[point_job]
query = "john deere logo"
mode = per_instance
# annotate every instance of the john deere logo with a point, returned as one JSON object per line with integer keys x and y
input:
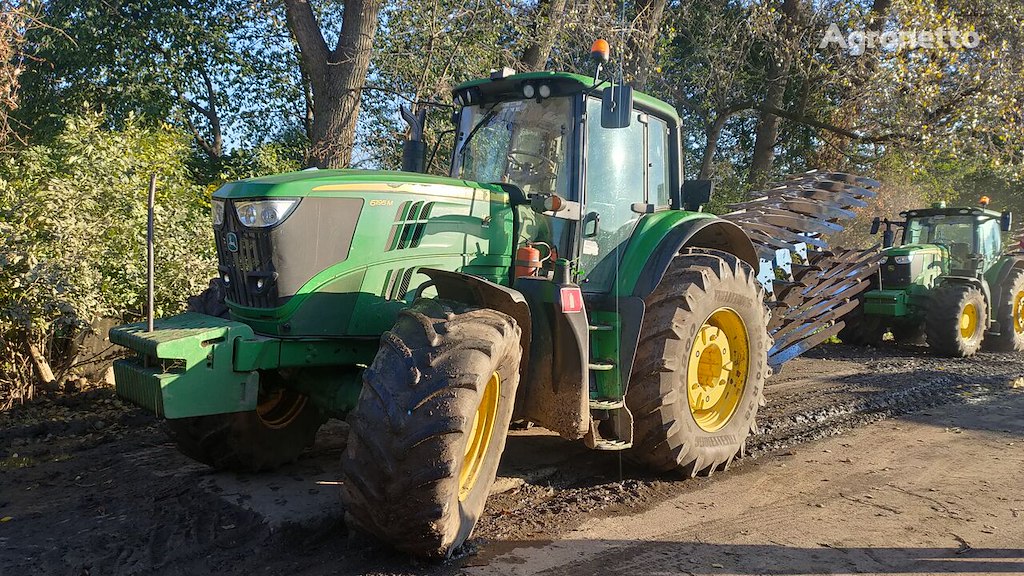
{"x": 232, "y": 242}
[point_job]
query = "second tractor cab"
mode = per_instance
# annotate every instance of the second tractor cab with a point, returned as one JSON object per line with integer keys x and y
{"x": 946, "y": 278}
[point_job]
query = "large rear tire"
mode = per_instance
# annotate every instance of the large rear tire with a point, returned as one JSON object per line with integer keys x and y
{"x": 955, "y": 323}
{"x": 430, "y": 425}
{"x": 1010, "y": 314}
{"x": 701, "y": 365}
{"x": 283, "y": 425}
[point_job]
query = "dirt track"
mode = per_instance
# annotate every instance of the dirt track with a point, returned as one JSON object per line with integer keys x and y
{"x": 96, "y": 489}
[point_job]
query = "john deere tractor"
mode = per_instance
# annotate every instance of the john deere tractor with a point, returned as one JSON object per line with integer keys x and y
{"x": 563, "y": 275}
{"x": 947, "y": 279}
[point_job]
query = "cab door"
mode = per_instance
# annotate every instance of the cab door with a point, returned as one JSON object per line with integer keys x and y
{"x": 626, "y": 175}
{"x": 613, "y": 182}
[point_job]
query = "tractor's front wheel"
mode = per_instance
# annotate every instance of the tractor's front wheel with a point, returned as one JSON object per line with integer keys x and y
{"x": 430, "y": 426}
{"x": 955, "y": 323}
{"x": 701, "y": 365}
{"x": 1010, "y": 313}
{"x": 283, "y": 425}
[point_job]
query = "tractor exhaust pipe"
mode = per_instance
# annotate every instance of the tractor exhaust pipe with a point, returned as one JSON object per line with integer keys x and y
{"x": 414, "y": 149}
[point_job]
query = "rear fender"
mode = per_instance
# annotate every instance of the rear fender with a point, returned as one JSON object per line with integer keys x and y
{"x": 997, "y": 281}
{"x": 706, "y": 232}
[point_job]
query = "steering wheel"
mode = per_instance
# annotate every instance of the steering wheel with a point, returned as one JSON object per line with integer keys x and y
{"x": 518, "y": 165}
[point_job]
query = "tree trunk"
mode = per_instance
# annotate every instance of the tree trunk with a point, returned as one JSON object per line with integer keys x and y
{"x": 768, "y": 123}
{"x": 713, "y": 133}
{"x": 547, "y": 23}
{"x": 644, "y": 36}
{"x": 335, "y": 76}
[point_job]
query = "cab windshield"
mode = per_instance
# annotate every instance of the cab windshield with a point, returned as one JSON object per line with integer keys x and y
{"x": 523, "y": 142}
{"x": 956, "y": 233}
{"x": 941, "y": 229}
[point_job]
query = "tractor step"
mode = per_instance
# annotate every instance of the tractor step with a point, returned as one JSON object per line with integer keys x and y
{"x": 601, "y": 366}
{"x": 601, "y": 328}
{"x": 607, "y": 404}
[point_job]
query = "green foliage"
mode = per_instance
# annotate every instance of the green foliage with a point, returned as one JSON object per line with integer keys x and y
{"x": 219, "y": 69}
{"x": 73, "y": 234}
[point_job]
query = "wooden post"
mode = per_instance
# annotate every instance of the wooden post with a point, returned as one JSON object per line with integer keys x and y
{"x": 149, "y": 253}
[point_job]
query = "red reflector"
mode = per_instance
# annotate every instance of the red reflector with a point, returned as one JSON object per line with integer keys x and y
{"x": 572, "y": 299}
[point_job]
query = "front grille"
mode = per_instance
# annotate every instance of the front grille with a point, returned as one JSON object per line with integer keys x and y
{"x": 251, "y": 261}
{"x": 264, "y": 267}
{"x": 895, "y": 274}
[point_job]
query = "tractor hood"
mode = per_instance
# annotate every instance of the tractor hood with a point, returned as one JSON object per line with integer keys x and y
{"x": 912, "y": 265}
{"x": 338, "y": 252}
{"x": 914, "y": 249}
{"x": 328, "y": 182}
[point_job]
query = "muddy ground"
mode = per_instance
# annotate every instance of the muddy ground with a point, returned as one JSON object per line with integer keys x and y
{"x": 90, "y": 486}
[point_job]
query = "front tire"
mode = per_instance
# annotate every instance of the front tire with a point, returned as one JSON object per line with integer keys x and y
{"x": 956, "y": 319}
{"x": 1010, "y": 314}
{"x": 701, "y": 365}
{"x": 430, "y": 425}
{"x": 283, "y": 425}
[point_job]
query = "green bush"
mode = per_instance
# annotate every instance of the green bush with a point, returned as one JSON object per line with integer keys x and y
{"x": 73, "y": 236}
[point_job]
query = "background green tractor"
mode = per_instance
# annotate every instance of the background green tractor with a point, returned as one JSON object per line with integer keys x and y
{"x": 946, "y": 278}
{"x": 564, "y": 275}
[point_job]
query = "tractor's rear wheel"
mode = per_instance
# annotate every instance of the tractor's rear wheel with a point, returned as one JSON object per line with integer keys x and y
{"x": 283, "y": 425}
{"x": 955, "y": 323}
{"x": 701, "y": 365}
{"x": 1010, "y": 314}
{"x": 430, "y": 426}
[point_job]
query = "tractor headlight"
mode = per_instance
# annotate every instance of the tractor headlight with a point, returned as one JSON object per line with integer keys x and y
{"x": 903, "y": 259}
{"x": 264, "y": 213}
{"x": 217, "y": 212}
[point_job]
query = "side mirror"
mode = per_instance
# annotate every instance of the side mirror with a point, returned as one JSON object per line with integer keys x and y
{"x": 591, "y": 224}
{"x": 696, "y": 193}
{"x": 616, "y": 106}
{"x": 1006, "y": 221}
{"x": 875, "y": 224}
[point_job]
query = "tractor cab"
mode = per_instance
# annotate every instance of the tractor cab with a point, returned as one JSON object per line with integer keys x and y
{"x": 972, "y": 237}
{"x": 547, "y": 136}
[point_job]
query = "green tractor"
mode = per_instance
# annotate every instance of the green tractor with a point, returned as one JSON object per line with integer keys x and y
{"x": 563, "y": 275}
{"x": 948, "y": 279}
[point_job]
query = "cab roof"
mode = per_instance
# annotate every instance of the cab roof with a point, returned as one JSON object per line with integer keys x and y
{"x": 953, "y": 211}
{"x": 561, "y": 83}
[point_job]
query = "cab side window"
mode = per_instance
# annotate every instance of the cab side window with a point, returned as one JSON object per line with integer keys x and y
{"x": 657, "y": 162}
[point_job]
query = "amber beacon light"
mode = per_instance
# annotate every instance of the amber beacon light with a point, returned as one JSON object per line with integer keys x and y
{"x": 600, "y": 51}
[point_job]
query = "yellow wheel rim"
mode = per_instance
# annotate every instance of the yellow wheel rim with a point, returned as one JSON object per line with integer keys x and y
{"x": 1018, "y": 312}
{"x": 278, "y": 409}
{"x": 968, "y": 321}
{"x": 479, "y": 436}
{"x": 717, "y": 371}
